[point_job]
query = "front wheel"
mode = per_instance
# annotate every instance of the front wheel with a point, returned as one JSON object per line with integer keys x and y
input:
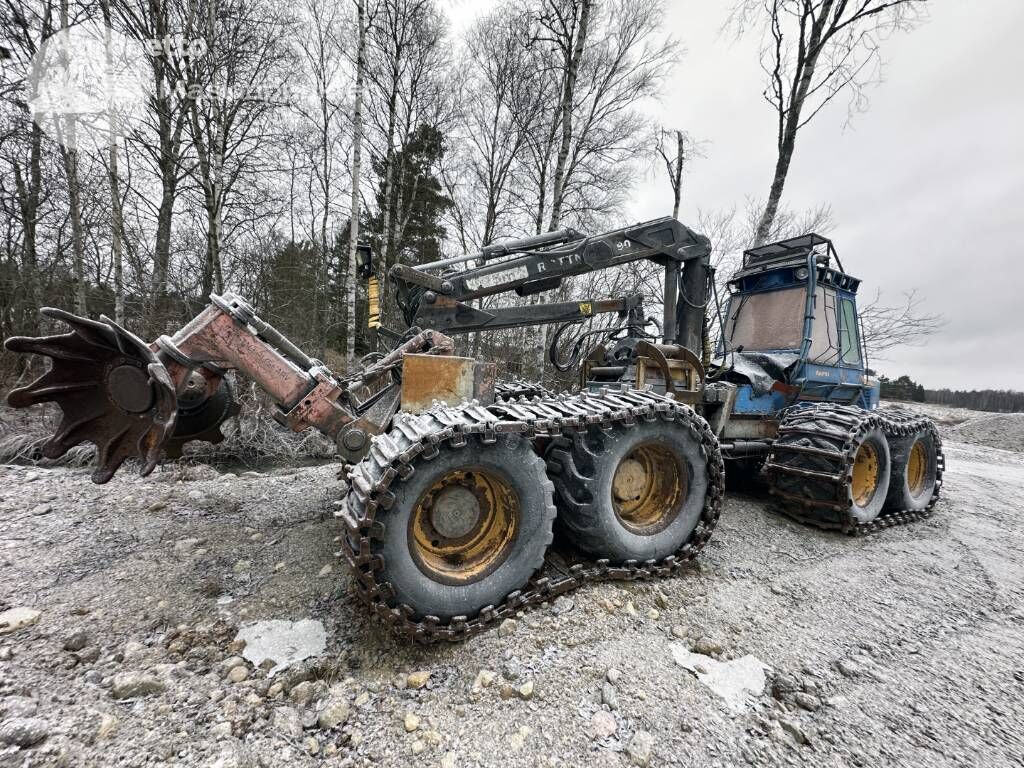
{"x": 468, "y": 527}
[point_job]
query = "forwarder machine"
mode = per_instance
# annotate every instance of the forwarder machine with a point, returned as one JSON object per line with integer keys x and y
{"x": 454, "y": 495}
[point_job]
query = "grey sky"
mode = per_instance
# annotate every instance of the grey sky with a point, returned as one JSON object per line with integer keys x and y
{"x": 926, "y": 187}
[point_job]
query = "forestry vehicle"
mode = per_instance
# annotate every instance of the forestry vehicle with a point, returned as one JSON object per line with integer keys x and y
{"x": 457, "y": 484}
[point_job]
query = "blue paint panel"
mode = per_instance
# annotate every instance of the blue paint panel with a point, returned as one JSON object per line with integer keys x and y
{"x": 830, "y": 374}
{"x": 747, "y": 403}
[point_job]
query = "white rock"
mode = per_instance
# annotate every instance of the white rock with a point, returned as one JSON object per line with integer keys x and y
{"x": 14, "y": 619}
{"x": 287, "y": 721}
{"x": 484, "y": 679}
{"x": 184, "y": 546}
{"x": 107, "y": 726}
{"x": 285, "y": 642}
{"x": 608, "y": 696}
{"x": 507, "y": 628}
{"x": 418, "y": 679}
{"x": 738, "y": 681}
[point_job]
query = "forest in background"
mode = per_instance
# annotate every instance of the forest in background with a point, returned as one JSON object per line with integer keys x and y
{"x": 268, "y": 134}
{"x": 995, "y": 400}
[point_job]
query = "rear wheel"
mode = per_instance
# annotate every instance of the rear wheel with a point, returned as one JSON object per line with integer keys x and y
{"x": 467, "y": 528}
{"x": 629, "y": 492}
{"x": 915, "y": 471}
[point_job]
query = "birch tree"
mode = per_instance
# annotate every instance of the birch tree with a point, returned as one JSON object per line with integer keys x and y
{"x": 567, "y": 25}
{"x": 813, "y": 51}
{"x": 357, "y": 161}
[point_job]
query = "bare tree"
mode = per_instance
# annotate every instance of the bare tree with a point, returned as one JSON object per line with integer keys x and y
{"x": 676, "y": 149}
{"x": 236, "y": 84}
{"x": 407, "y": 71}
{"x": 69, "y": 154}
{"x": 567, "y": 25}
{"x": 113, "y": 176}
{"x": 160, "y": 141}
{"x": 25, "y": 26}
{"x": 496, "y": 119}
{"x": 813, "y": 51}
{"x": 357, "y": 159}
{"x": 884, "y": 327}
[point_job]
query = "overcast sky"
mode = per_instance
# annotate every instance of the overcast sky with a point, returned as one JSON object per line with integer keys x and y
{"x": 926, "y": 187}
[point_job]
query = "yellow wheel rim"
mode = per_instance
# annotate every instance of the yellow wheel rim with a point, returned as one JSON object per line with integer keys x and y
{"x": 917, "y": 468}
{"x": 865, "y": 474}
{"x": 647, "y": 488}
{"x": 463, "y": 526}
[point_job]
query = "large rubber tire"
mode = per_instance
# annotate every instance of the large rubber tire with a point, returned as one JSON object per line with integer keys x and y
{"x": 583, "y": 468}
{"x": 908, "y": 491}
{"x": 868, "y": 510}
{"x": 511, "y": 458}
{"x": 811, "y": 466}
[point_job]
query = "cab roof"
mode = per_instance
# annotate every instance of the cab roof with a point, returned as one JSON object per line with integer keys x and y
{"x": 791, "y": 254}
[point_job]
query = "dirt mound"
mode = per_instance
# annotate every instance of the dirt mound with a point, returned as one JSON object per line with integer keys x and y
{"x": 995, "y": 430}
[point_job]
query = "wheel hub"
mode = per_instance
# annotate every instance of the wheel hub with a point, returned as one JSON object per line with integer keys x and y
{"x": 648, "y": 487}
{"x": 464, "y": 526}
{"x": 455, "y": 512}
{"x": 865, "y": 475}
{"x": 917, "y": 468}
{"x": 630, "y": 480}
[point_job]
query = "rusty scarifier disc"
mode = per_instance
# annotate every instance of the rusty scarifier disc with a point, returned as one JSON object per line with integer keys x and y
{"x": 395, "y": 456}
{"x": 110, "y": 387}
{"x": 831, "y": 433}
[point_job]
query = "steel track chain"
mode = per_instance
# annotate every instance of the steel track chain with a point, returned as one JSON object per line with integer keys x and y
{"x": 394, "y": 457}
{"x": 516, "y": 388}
{"x": 848, "y": 423}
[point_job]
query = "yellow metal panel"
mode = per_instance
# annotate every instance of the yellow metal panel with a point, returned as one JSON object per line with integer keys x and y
{"x": 426, "y": 378}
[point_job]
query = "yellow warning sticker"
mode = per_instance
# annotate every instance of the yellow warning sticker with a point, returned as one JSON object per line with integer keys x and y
{"x": 373, "y": 301}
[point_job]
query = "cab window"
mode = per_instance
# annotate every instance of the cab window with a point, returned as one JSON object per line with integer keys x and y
{"x": 849, "y": 335}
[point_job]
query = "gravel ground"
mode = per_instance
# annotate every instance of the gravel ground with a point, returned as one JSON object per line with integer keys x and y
{"x": 903, "y": 648}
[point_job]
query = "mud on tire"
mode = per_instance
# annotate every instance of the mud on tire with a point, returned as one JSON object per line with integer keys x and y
{"x": 666, "y": 492}
{"x": 418, "y": 577}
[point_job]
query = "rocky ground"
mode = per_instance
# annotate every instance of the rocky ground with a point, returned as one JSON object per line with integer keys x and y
{"x": 903, "y": 648}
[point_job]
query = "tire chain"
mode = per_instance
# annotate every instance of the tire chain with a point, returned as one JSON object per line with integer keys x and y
{"x": 414, "y": 438}
{"x": 847, "y": 424}
{"x": 516, "y": 388}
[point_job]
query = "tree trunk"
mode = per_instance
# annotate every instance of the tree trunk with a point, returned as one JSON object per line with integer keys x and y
{"x": 357, "y": 156}
{"x": 677, "y": 182}
{"x": 568, "y": 92}
{"x": 807, "y": 59}
{"x": 69, "y": 153}
{"x": 116, "y": 213}
{"x": 28, "y": 199}
{"x": 771, "y": 208}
